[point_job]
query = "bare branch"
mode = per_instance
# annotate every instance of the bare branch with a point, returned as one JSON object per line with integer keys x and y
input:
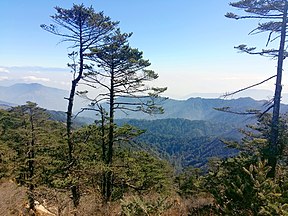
{"x": 266, "y": 111}
{"x": 243, "y": 89}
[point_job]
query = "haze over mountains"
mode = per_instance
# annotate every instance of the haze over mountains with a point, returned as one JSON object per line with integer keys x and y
{"x": 188, "y": 133}
{"x": 256, "y": 94}
{"x": 193, "y": 108}
{"x": 46, "y": 97}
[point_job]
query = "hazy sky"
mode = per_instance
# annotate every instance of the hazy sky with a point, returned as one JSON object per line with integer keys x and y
{"x": 189, "y": 43}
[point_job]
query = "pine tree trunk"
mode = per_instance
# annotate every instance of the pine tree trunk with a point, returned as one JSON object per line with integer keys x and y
{"x": 109, "y": 178}
{"x": 104, "y": 153}
{"x": 69, "y": 120}
{"x": 273, "y": 144}
{"x": 31, "y": 165}
{"x": 74, "y": 188}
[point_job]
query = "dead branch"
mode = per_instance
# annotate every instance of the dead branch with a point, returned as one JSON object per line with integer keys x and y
{"x": 243, "y": 89}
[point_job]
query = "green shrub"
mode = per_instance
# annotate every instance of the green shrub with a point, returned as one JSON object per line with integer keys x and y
{"x": 241, "y": 187}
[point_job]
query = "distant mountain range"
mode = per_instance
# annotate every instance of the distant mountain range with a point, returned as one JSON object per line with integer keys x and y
{"x": 188, "y": 133}
{"x": 6, "y": 105}
{"x": 46, "y": 97}
{"x": 256, "y": 94}
{"x": 195, "y": 108}
{"x": 203, "y": 109}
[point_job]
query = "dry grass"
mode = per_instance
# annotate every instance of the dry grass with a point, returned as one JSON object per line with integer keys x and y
{"x": 12, "y": 199}
{"x": 58, "y": 203}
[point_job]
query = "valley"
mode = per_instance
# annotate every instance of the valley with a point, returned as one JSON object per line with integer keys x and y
{"x": 188, "y": 133}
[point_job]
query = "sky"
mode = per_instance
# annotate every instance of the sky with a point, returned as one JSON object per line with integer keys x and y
{"x": 189, "y": 43}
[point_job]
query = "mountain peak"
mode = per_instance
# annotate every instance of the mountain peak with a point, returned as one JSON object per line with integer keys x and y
{"x": 44, "y": 96}
{"x": 30, "y": 86}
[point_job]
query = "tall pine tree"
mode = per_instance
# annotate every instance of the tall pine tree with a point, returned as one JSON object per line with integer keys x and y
{"x": 84, "y": 29}
{"x": 122, "y": 75}
{"x": 273, "y": 16}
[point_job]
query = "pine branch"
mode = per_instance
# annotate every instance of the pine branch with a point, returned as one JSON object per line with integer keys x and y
{"x": 227, "y": 110}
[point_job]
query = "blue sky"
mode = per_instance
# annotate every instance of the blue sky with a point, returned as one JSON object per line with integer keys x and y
{"x": 189, "y": 43}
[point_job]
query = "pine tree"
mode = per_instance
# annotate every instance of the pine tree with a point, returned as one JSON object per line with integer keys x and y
{"x": 122, "y": 75}
{"x": 22, "y": 132}
{"x": 85, "y": 29}
{"x": 274, "y": 14}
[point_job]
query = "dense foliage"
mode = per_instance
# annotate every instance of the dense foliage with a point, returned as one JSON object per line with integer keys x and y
{"x": 134, "y": 172}
{"x": 230, "y": 185}
{"x": 185, "y": 143}
{"x": 144, "y": 167}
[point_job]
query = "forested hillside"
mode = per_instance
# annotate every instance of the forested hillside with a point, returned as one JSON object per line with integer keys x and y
{"x": 113, "y": 144}
{"x": 186, "y": 143}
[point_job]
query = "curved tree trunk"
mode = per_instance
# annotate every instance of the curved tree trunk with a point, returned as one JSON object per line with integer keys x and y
{"x": 74, "y": 188}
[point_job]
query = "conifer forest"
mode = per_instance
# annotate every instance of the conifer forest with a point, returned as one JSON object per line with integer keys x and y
{"x": 130, "y": 150}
